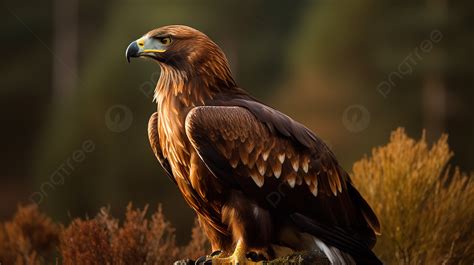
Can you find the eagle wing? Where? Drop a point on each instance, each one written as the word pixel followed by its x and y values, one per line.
pixel 285 168
pixel 155 145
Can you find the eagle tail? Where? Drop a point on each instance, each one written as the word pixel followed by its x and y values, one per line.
pixel 339 239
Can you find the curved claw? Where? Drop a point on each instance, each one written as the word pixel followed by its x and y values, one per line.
pixel 201 260
pixel 207 260
pixel 216 253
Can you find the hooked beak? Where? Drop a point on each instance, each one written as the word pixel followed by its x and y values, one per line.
pixel 144 47
pixel 132 51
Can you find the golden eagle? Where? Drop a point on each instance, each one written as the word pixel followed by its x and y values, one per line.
pixel 260 182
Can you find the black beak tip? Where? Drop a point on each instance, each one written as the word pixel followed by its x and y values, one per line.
pixel 132 51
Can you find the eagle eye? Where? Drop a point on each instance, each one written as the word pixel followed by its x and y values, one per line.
pixel 165 40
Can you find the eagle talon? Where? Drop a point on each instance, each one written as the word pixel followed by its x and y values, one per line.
pixel 207 260
pixel 216 253
pixel 254 256
pixel 237 258
pixel 201 260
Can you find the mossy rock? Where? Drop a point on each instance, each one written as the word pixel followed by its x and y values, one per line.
pixel 298 258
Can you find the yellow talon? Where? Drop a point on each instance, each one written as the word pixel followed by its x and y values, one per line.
pixel 237 258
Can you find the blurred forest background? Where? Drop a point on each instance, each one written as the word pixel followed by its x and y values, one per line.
pixel 74 113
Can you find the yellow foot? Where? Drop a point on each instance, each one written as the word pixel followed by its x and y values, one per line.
pixel 239 257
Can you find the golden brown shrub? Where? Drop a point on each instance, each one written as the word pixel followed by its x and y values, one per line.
pixel 129 243
pixel 426 209
pixel 199 244
pixel 139 240
pixel 162 247
pixel 86 242
pixel 29 238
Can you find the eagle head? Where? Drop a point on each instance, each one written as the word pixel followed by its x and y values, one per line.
pixel 182 48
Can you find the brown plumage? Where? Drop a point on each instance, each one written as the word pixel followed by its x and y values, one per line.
pixel 258 180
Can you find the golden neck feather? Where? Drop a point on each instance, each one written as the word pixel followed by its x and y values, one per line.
pixel 195 86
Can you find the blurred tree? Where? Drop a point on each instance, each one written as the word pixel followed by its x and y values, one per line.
pixel 24 93
pixel 395 60
pixel 65 48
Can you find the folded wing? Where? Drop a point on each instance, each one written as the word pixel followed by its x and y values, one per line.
pixel 255 151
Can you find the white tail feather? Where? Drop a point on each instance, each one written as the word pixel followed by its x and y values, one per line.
pixel 335 256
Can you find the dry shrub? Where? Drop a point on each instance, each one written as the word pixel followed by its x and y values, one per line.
pixel 425 208
pixel 199 243
pixel 426 211
pixel 138 240
pixel 86 242
pixel 162 240
pixel 29 238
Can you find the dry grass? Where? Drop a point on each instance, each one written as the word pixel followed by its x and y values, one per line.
pixel 426 209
